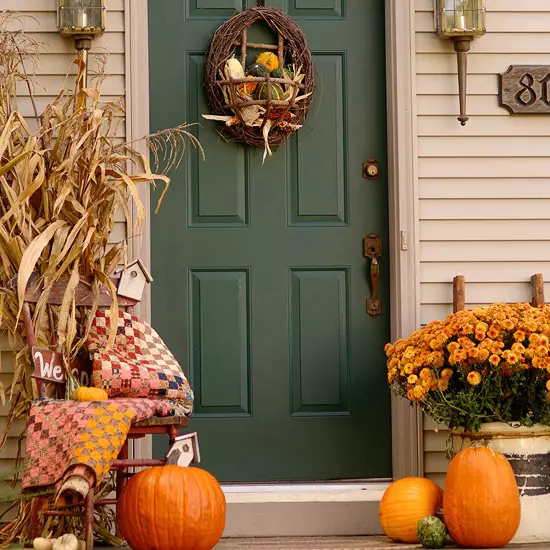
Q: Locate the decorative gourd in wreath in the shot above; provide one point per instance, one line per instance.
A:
(264, 102)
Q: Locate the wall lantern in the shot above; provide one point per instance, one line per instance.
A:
(81, 20)
(461, 21)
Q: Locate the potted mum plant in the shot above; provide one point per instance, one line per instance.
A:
(485, 374)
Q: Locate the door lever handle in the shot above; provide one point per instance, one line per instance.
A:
(372, 249)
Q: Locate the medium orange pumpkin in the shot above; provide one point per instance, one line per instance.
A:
(481, 503)
(169, 507)
(405, 502)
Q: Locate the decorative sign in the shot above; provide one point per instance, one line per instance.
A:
(48, 366)
(526, 89)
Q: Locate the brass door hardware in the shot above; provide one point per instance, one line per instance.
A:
(372, 249)
(371, 169)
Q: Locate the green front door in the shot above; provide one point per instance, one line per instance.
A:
(260, 280)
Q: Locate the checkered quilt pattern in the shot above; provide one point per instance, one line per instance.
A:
(139, 364)
(80, 437)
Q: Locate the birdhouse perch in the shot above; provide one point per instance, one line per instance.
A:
(133, 279)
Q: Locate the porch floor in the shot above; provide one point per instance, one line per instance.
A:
(313, 543)
(328, 543)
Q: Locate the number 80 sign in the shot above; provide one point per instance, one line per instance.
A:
(525, 89)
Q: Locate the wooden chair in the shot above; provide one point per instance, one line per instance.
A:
(169, 426)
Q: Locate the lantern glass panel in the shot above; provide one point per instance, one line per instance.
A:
(81, 14)
(457, 17)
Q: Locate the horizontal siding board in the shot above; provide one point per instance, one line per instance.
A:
(484, 209)
(47, 22)
(447, 84)
(475, 188)
(467, 167)
(54, 43)
(477, 105)
(430, 424)
(435, 462)
(478, 63)
(51, 5)
(484, 271)
(60, 64)
(435, 442)
(529, 6)
(24, 104)
(485, 230)
(484, 126)
(51, 85)
(455, 146)
(492, 42)
(442, 293)
(529, 251)
(436, 478)
(497, 21)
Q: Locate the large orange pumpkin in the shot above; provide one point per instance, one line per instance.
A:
(481, 503)
(405, 502)
(169, 507)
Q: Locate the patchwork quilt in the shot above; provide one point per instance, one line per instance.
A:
(139, 364)
(67, 438)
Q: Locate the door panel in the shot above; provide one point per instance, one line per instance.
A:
(260, 284)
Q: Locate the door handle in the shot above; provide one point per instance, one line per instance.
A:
(372, 249)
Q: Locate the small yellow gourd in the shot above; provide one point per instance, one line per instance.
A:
(269, 59)
(89, 394)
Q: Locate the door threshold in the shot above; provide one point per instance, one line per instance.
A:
(363, 491)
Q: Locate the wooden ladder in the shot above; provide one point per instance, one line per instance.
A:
(459, 291)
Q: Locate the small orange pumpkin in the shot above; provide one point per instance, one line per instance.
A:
(169, 507)
(481, 503)
(405, 502)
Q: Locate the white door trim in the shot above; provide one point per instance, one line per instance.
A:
(402, 181)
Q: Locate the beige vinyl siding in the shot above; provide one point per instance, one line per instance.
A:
(49, 73)
(484, 189)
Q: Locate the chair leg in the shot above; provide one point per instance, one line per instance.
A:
(89, 520)
(34, 524)
(120, 479)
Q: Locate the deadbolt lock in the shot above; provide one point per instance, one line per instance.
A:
(371, 169)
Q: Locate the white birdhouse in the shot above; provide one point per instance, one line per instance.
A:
(133, 279)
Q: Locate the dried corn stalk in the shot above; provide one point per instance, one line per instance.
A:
(60, 187)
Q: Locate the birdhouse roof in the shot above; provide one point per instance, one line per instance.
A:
(144, 270)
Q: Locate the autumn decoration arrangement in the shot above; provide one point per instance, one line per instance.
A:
(479, 508)
(64, 176)
(261, 92)
(488, 364)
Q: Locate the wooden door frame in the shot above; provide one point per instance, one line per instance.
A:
(407, 448)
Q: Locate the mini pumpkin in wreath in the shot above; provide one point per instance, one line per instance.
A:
(263, 103)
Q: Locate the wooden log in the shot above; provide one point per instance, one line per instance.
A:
(459, 293)
(537, 285)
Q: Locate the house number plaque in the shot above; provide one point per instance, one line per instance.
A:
(525, 89)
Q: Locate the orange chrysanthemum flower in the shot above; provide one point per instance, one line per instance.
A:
(474, 378)
(453, 346)
(446, 374)
(494, 360)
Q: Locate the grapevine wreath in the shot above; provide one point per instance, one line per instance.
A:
(261, 103)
